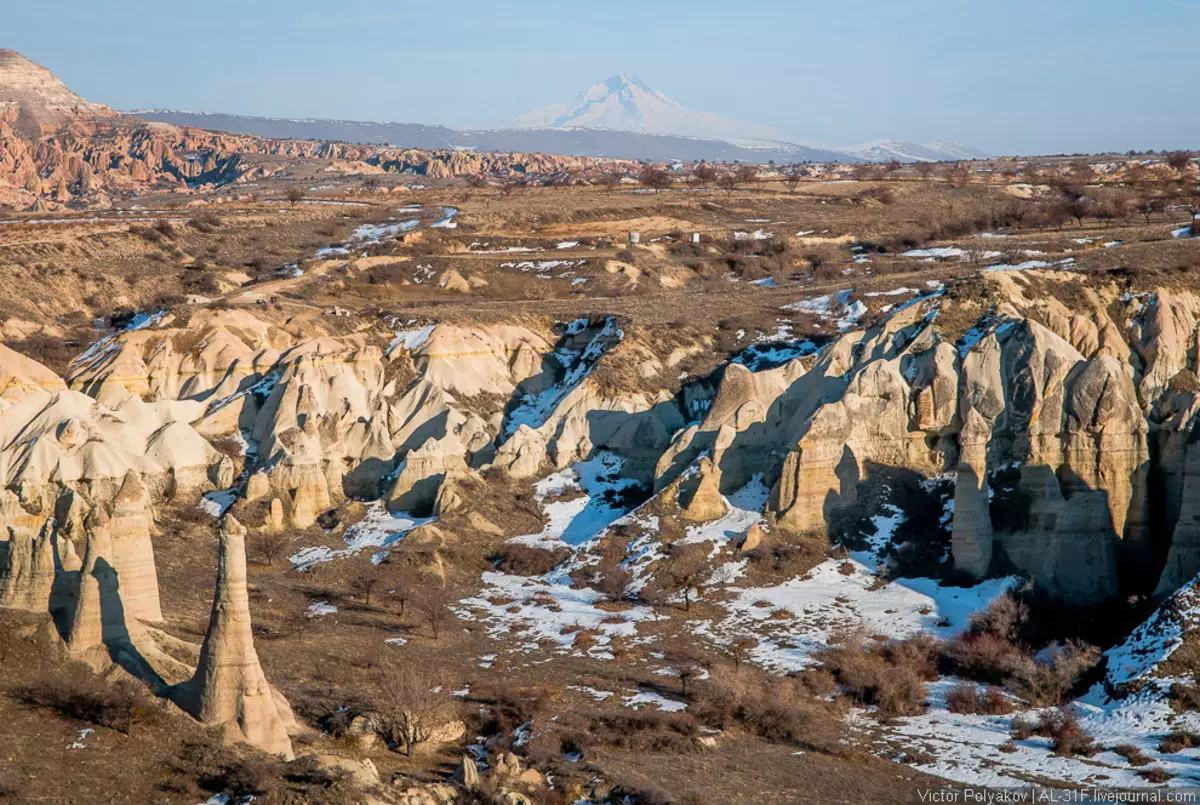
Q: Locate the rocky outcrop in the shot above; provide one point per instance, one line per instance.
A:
(28, 575)
(133, 551)
(229, 688)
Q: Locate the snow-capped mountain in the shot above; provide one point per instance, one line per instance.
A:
(906, 151)
(622, 103)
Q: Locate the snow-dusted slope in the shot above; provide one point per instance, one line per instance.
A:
(622, 103)
(906, 151)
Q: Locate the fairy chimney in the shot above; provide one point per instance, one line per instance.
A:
(229, 688)
(133, 551)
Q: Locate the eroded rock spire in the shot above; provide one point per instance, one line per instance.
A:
(229, 688)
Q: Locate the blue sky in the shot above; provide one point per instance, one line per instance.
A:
(1012, 76)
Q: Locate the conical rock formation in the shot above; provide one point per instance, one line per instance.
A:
(229, 688)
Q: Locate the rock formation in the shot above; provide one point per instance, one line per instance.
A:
(229, 688)
(28, 576)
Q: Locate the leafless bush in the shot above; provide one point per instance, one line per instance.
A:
(1061, 726)
(889, 677)
(1177, 741)
(267, 546)
(1135, 756)
(76, 692)
(206, 222)
(1003, 618)
(969, 698)
(614, 582)
(1178, 160)
(519, 559)
(364, 583)
(411, 704)
(434, 606)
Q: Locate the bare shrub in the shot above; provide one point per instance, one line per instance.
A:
(1050, 682)
(967, 697)
(1157, 775)
(1061, 726)
(1135, 756)
(364, 582)
(78, 693)
(267, 546)
(519, 559)
(883, 676)
(434, 606)
(411, 705)
(779, 710)
(614, 582)
(1177, 741)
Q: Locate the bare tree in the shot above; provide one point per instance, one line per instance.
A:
(747, 174)
(684, 572)
(609, 181)
(1148, 207)
(738, 650)
(1178, 160)
(728, 182)
(654, 178)
(294, 194)
(365, 582)
(687, 662)
(434, 606)
(403, 584)
(412, 704)
(793, 177)
(703, 175)
(614, 582)
(925, 169)
(267, 546)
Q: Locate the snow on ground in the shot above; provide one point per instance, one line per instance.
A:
(410, 339)
(758, 234)
(763, 355)
(447, 220)
(968, 748)
(215, 504)
(800, 617)
(577, 363)
(581, 517)
(648, 698)
(319, 608)
(100, 350)
(378, 529)
(1185, 232)
(932, 255)
(841, 308)
(527, 612)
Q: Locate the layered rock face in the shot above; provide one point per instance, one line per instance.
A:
(35, 101)
(1067, 432)
(229, 688)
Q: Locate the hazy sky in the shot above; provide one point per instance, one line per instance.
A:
(1010, 76)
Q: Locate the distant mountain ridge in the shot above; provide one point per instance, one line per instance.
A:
(907, 151)
(618, 118)
(577, 142)
(623, 103)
